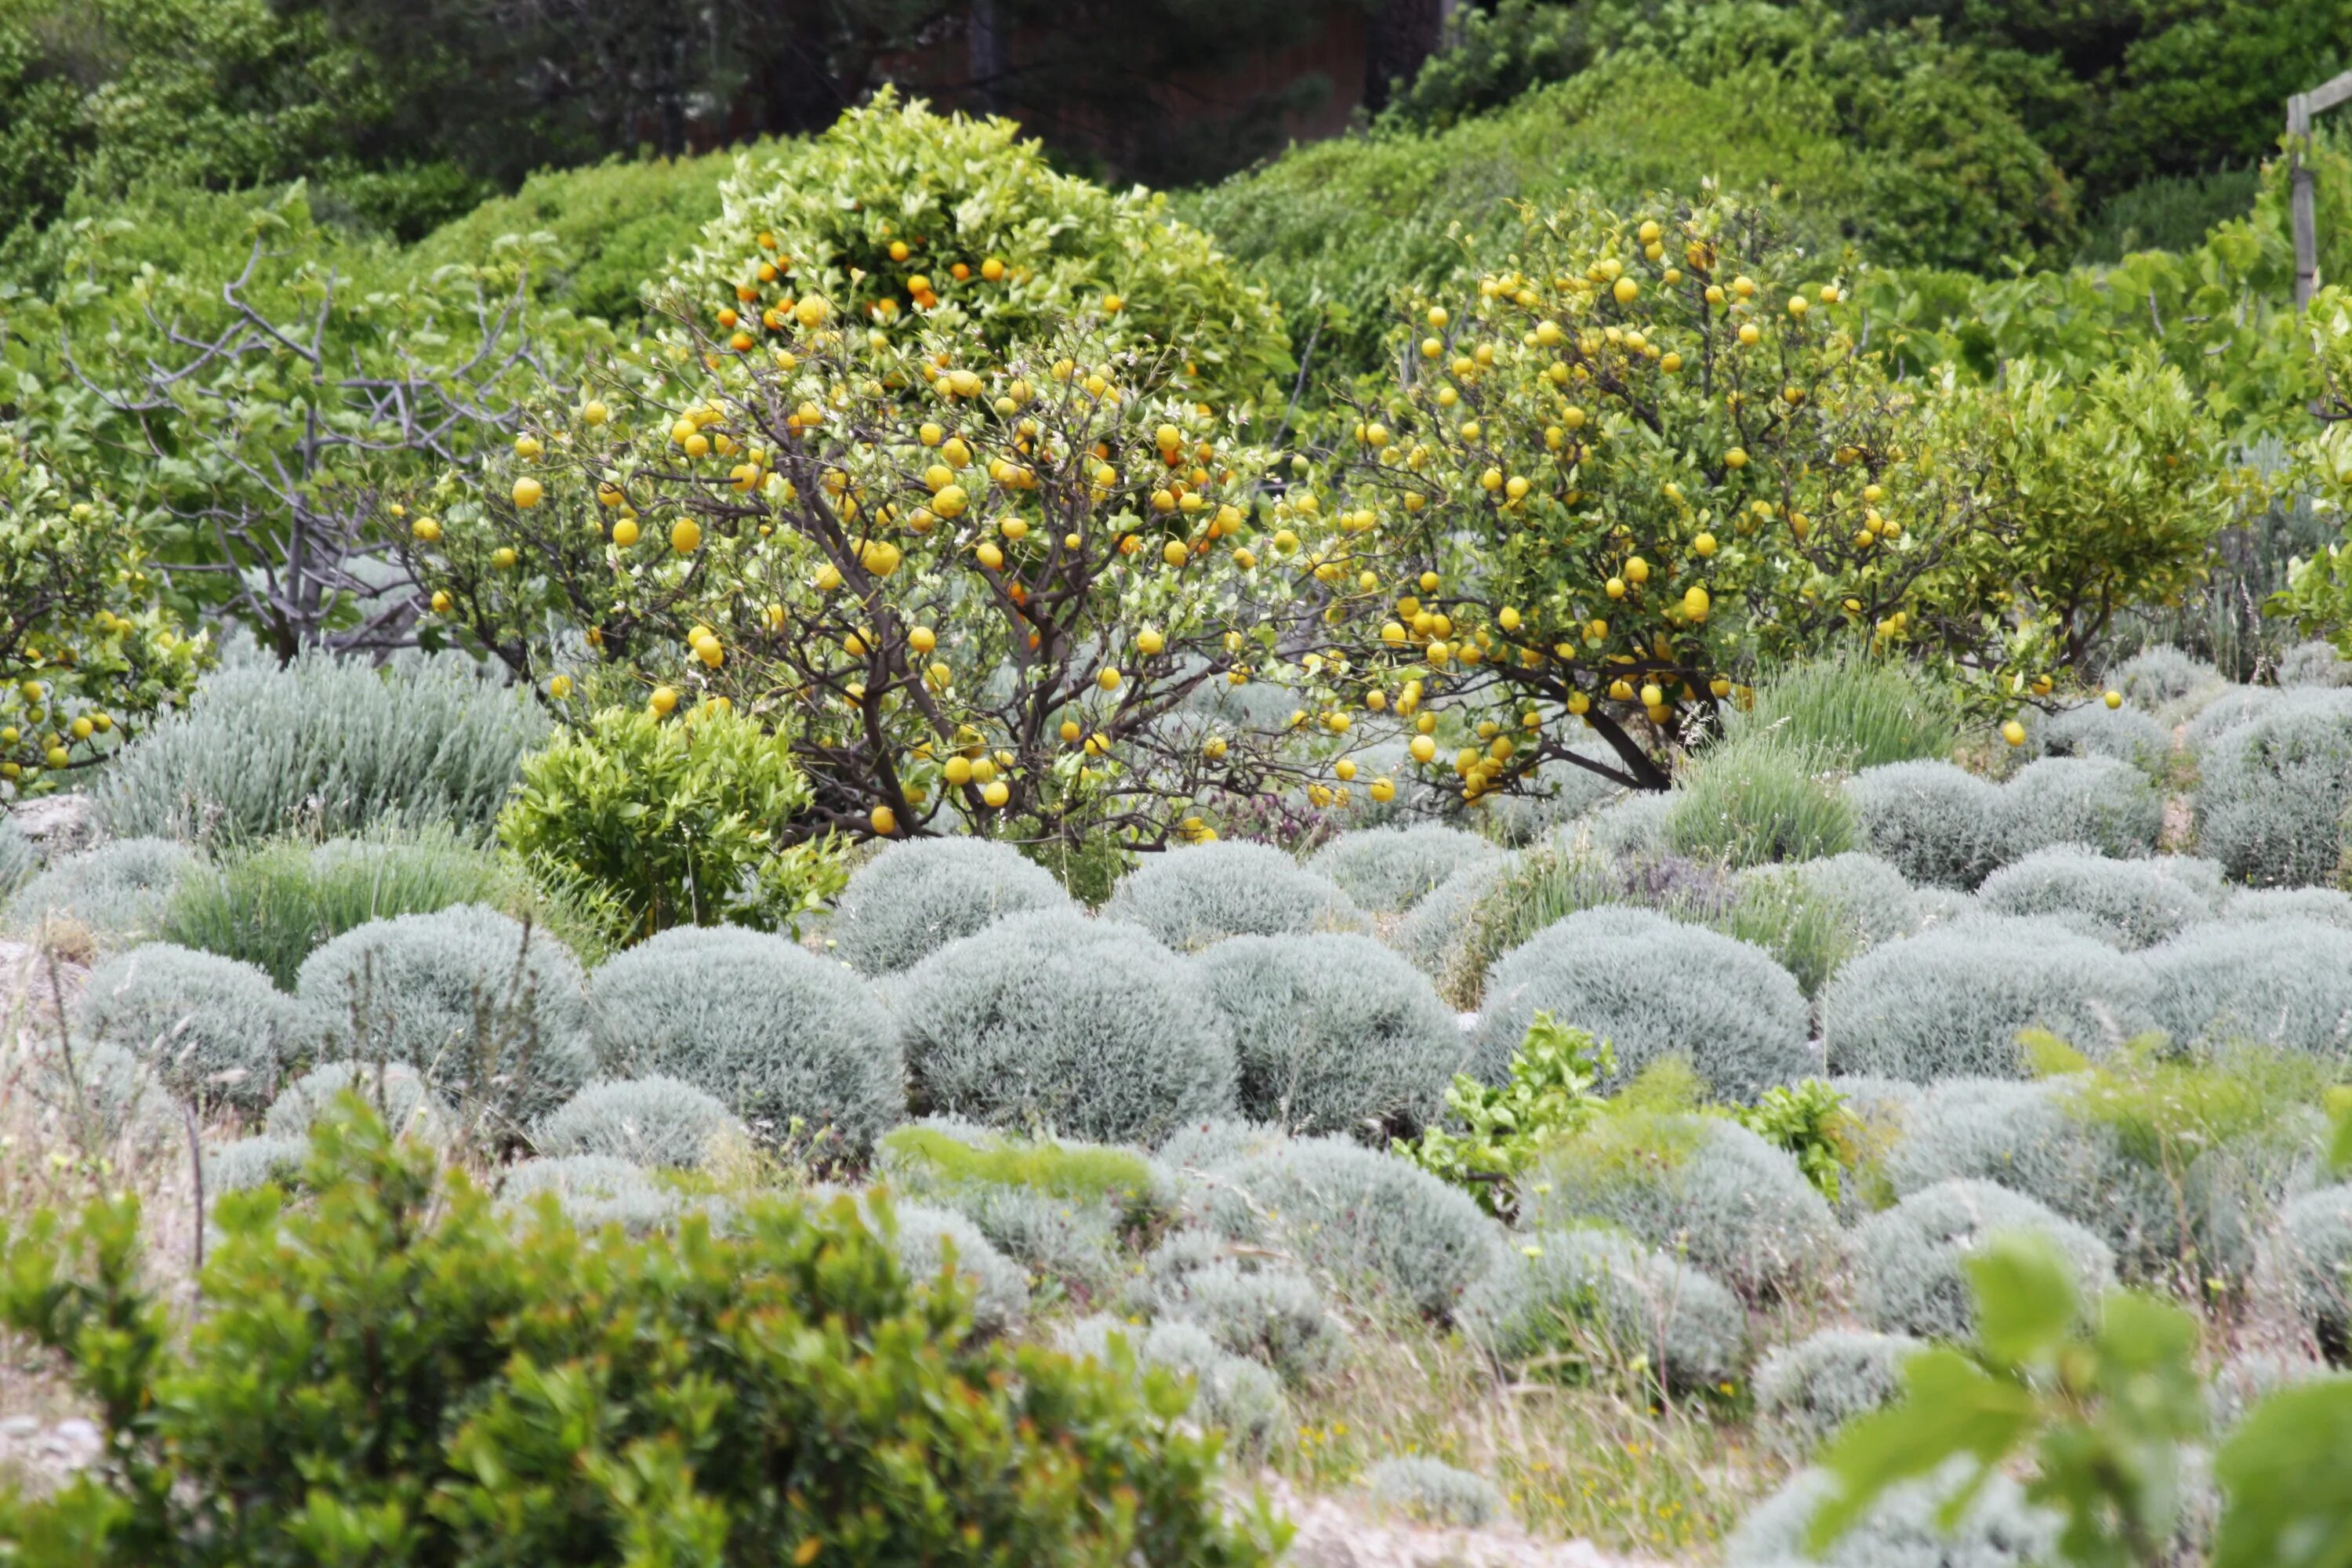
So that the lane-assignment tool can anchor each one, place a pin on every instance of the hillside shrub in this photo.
(1056, 1022)
(395, 1092)
(930, 1242)
(1435, 933)
(1595, 1302)
(1701, 1187)
(1210, 1143)
(2094, 729)
(1252, 1305)
(915, 898)
(1877, 902)
(1388, 870)
(2134, 903)
(794, 1045)
(1805, 1392)
(2235, 705)
(1933, 821)
(1854, 712)
(2107, 805)
(1951, 1002)
(250, 1162)
(1360, 1220)
(1635, 825)
(1908, 1277)
(325, 746)
(2310, 1265)
(2274, 795)
(1907, 1527)
(1578, 871)
(1757, 799)
(121, 888)
(1814, 915)
(491, 1011)
(2319, 905)
(1188, 898)
(1430, 1491)
(2315, 663)
(96, 1093)
(1228, 1392)
(657, 1121)
(591, 1191)
(1333, 1034)
(2159, 674)
(2285, 982)
(214, 1030)
(1652, 988)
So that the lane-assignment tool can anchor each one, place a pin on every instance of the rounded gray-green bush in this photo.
(1430, 1491)
(592, 1190)
(1908, 1273)
(2310, 1265)
(2108, 806)
(1333, 1034)
(2314, 663)
(1878, 903)
(1951, 1002)
(916, 897)
(1228, 1392)
(1360, 1220)
(775, 1034)
(2250, 1376)
(443, 991)
(2093, 729)
(1251, 1304)
(1594, 1292)
(1635, 825)
(1190, 898)
(118, 889)
(924, 1235)
(214, 1030)
(1903, 1528)
(396, 1091)
(2321, 906)
(95, 1092)
(2231, 707)
(2156, 676)
(2134, 903)
(1389, 869)
(1933, 821)
(1653, 988)
(2283, 983)
(644, 1120)
(1807, 1391)
(1208, 1145)
(1702, 1186)
(1055, 1021)
(2274, 795)
(251, 1162)
(1434, 934)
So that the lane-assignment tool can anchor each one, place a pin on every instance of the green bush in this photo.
(2163, 674)
(1191, 897)
(2094, 729)
(395, 1092)
(1333, 1034)
(644, 1120)
(1757, 800)
(325, 746)
(1359, 1220)
(1652, 988)
(1951, 1002)
(1430, 1491)
(214, 1030)
(591, 1191)
(1388, 870)
(2320, 906)
(1935, 822)
(2106, 805)
(717, 1355)
(1907, 1527)
(2286, 984)
(1908, 1274)
(791, 1043)
(1260, 1306)
(677, 822)
(1053, 1021)
(916, 897)
(491, 1012)
(1854, 712)
(2275, 794)
(122, 889)
(2131, 903)
(1593, 1301)
(1228, 1392)
(1807, 1391)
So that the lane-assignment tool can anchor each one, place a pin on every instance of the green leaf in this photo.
(2025, 1298)
(2287, 1476)
(1951, 1406)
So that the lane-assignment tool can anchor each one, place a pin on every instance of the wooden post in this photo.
(2300, 179)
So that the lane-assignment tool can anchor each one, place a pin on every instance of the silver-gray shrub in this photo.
(1205, 1145)
(790, 1042)
(1388, 869)
(916, 897)
(645, 1120)
(1228, 1392)
(1061, 1210)
(2308, 1265)
(1701, 1186)
(2274, 795)
(119, 889)
(1908, 1273)
(250, 1162)
(1879, 901)
(923, 1235)
(1333, 1034)
(592, 1191)
(1053, 1021)
(1598, 1297)
(1950, 1002)
(1905, 1528)
(396, 1091)
(2092, 728)
(1252, 1305)
(1933, 821)
(2322, 906)
(1190, 898)
(1435, 934)
(2250, 1376)
(18, 859)
(1653, 988)
(2156, 676)
(98, 1092)
(2231, 707)
(1430, 1491)
(1558, 792)
(214, 1030)
(1807, 1391)
(326, 745)
(2285, 982)
(2314, 663)
(1635, 825)
(1359, 1220)
(488, 1010)
(2136, 904)
(2106, 805)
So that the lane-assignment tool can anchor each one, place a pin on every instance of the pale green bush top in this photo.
(2285, 982)
(592, 1190)
(2092, 728)
(1933, 821)
(2108, 804)
(2134, 903)
(914, 898)
(214, 1030)
(1904, 1529)
(2156, 676)
(1807, 1391)
(1432, 1491)
(1389, 869)
(644, 1120)
(1908, 1277)
(1190, 898)
(119, 888)
(2275, 794)
(397, 1092)
(1600, 1295)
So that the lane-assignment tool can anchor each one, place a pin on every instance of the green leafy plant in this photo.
(1503, 1129)
(1810, 1122)
(685, 821)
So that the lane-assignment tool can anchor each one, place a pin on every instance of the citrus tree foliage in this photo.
(2319, 590)
(86, 653)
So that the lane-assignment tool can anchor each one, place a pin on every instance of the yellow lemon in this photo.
(625, 532)
(664, 699)
(685, 536)
(885, 820)
(2013, 732)
(528, 492)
